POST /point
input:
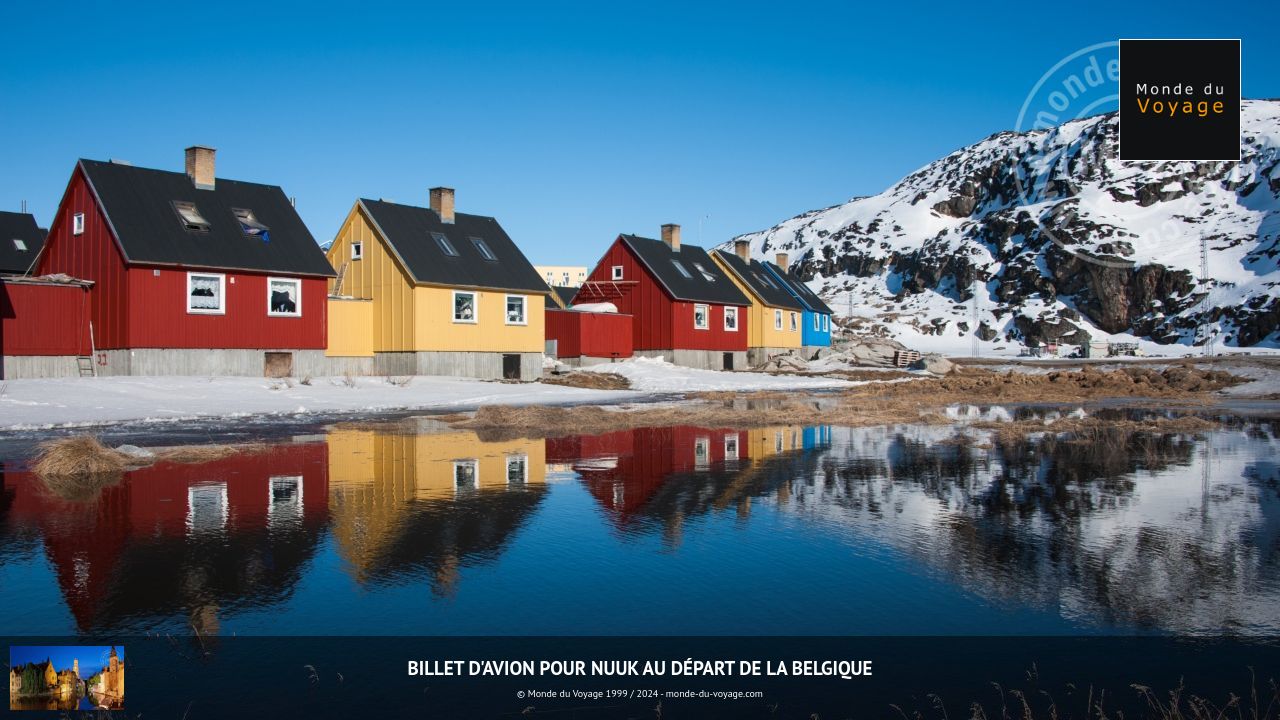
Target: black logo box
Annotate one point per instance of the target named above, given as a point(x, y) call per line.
point(1189, 65)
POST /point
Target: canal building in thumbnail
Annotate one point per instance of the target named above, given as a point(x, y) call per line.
point(191, 274)
point(449, 293)
point(684, 308)
point(773, 317)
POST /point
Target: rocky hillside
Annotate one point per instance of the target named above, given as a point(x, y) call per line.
point(1045, 236)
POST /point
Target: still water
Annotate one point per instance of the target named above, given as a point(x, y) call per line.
point(413, 528)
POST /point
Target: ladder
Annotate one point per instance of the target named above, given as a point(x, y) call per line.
point(86, 366)
point(337, 282)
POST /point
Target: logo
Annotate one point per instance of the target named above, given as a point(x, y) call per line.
point(1180, 100)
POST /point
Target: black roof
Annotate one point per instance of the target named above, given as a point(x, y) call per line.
point(408, 229)
point(16, 227)
point(139, 204)
point(801, 289)
point(657, 256)
point(764, 286)
point(565, 293)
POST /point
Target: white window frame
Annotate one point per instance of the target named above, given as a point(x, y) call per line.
point(19, 244)
point(734, 312)
point(224, 508)
point(795, 321)
point(817, 322)
point(777, 319)
point(297, 302)
point(357, 250)
point(475, 307)
point(702, 452)
point(706, 317)
point(524, 310)
point(222, 294)
point(731, 446)
point(474, 464)
point(617, 272)
point(524, 461)
point(274, 509)
point(826, 323)
point(77, 224)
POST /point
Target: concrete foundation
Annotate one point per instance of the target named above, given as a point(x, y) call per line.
point(247, 363)
point(757, 356)
point(483, 365)
point(16, 367)
point(811, 351)
point(586, 361)
point(701, 359)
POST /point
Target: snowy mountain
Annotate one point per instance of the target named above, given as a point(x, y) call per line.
point(1060, 242)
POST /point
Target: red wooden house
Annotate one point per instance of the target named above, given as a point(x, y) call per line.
point(191, 274)
point(684, 308)
point(586, 338)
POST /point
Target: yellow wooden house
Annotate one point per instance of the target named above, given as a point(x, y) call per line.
point(774, 316)
point(449, 293)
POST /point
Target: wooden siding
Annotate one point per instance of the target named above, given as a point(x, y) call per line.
point(435, 329)
point(377, 276)
point(350, 328)
point(93, 255)
point(44, 319)
point(158, 317)
point(605, 335)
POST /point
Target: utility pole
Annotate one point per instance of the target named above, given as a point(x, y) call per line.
point(1206, 307)
point(975, 350)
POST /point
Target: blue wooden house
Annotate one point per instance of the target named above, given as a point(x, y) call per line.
point(816, 321)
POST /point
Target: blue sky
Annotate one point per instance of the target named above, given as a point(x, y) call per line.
point(569, 122)
point(92, 657)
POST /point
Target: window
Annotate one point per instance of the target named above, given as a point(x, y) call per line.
point(466, 475)
point(190, 217)
point(817, 322)
point(702, 452)
point(777, 441)
point(484, 250)
point(550, 279)
point(795, 322)
point(446, 247)
point(206, 293)
point(731, 319)
point(284, 500)
point(77, 224)
point(705, 275)
point(566, 279)
point(517, 470)
point(764, 280)
point(700, 317)
point(777, 319)
point(250, 225)
point(464, 307)
point(206, 508)
point(284, 297)
point(357, 251)
point(617, 272)
point(826, 322)
point(515, 310)
point(681, 268)
point(731, 447)
point(19, 244)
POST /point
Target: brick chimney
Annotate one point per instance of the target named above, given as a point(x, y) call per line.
point(671, 236)
point(781, 261)
point(742, 249)
point(200, 166)
point(442, 203)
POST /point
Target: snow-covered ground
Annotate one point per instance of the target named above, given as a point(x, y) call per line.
point(660, 376)
point(69, 402)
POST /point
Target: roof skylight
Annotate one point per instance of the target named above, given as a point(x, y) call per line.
point(191, 218)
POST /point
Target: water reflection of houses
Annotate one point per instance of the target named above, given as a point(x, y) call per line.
point(180, 540)
point(659, 477)
point(426, 501)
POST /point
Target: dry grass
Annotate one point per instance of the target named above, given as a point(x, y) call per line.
point(592, 380)
point(78, 466)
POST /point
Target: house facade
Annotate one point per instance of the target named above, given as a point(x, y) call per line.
point(684, 308)
point(191, 274)
point(450, 293)
point(817, 315)
point(774, 317)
